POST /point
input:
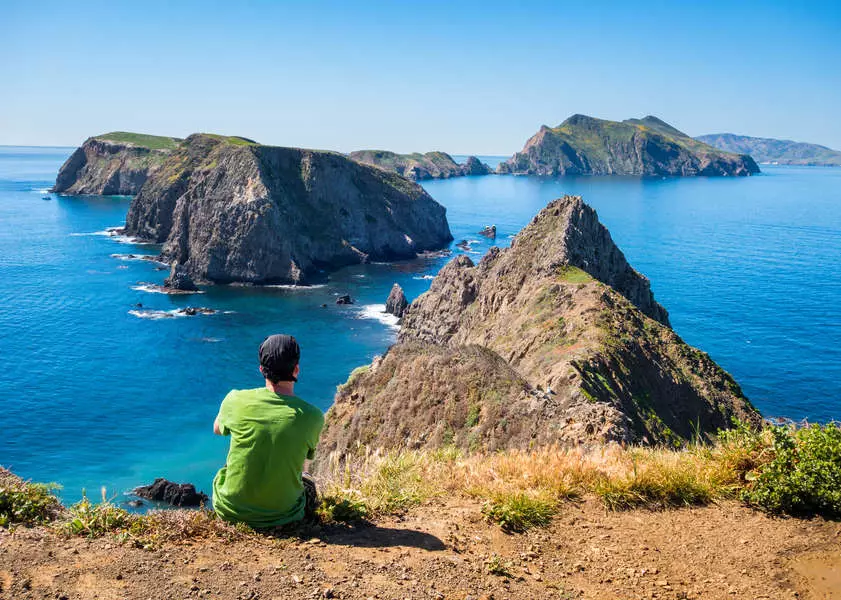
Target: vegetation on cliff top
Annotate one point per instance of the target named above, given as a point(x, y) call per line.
point(153, 142)
point(778, 469)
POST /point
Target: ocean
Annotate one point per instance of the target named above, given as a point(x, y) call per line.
point(98, 391)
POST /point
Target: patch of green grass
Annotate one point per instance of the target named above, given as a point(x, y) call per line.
point(571, 274)
point(232, 139)
point(334, 508)
point(153, 142)
point(357, 372)
point(472, 416)
point(396, 484)
point(519, 512)
point(25, 503)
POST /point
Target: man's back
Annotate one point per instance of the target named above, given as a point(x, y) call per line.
point(271, 436)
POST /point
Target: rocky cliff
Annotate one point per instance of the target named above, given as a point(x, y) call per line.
point(554, 340)
point(417, 166)
point(769, 150)
point(645, 147)
point(231, 210)
point(117, 163)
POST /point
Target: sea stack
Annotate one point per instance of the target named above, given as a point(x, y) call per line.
point(555, 340)
point(583, 145)
point(227, 209)
point(396, 304)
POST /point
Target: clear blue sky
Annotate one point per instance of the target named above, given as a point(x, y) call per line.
point(464, 77)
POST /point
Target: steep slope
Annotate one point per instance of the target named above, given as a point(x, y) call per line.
point(116, 163)
point(769, 150)
point(554, 340)
point(231, 210)
point(417, 166)
point(647, 147)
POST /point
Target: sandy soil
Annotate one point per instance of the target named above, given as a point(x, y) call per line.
point(443, 551)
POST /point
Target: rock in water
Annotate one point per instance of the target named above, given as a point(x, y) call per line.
point(230, 210)
point(179, 280)
point(417, 166)
point(489, 231)
point(117, 163)
point(648, 146)
point(344, 299)
point(559, 310)
point(396, 304)
point(177, 494)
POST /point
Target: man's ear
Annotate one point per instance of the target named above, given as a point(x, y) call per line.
point(262, 372)
point(296, 371)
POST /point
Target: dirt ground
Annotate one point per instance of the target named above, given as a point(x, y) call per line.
point(443, 551)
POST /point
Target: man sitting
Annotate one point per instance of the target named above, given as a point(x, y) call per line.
point(272, 433)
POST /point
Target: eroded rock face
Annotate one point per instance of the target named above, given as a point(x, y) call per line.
point(554, 340)
point(106, 167)
point(396, 304)
point(176, 494)
point(646, 147)
point(242, 212)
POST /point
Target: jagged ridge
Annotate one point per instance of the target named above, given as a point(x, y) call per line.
point(533, 346)
point(417, 166)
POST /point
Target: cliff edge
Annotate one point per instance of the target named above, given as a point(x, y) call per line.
point(116, 163)
point(553, 340)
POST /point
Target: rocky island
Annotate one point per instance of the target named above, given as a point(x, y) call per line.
point(417, 166)
point(769, 150)
point(228, 209)
point(554, 340)
point(583, 145)
point(113, 164)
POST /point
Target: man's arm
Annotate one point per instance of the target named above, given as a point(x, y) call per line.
point(216, 428)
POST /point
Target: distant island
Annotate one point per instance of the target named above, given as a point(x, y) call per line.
point(417, 166)
point(769, 150)
point(643, 147)
point(228, 209)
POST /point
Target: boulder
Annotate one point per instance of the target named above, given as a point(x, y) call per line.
point(176, 494)
point(396, 304)
point(344, 299)
point(489, 231)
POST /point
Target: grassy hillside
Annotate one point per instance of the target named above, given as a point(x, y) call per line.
point(769, 150)
point(153, 142)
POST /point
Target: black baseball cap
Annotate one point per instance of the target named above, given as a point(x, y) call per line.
point(278, 356)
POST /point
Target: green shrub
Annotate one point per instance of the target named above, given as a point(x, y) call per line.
point(519, 512)
point(25, 503)
point(94, 520)
point(803, 475)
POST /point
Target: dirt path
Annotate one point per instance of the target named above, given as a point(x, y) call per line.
point(448, 551)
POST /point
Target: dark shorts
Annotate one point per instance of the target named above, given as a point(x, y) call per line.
point(311, 495)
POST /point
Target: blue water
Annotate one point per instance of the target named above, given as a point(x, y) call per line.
point(95, 396)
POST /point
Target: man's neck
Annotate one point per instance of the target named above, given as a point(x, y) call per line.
point(283, 388)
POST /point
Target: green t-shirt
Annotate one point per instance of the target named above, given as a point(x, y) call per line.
point(271, 436)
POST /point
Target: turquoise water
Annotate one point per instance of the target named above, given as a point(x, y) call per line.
point(94, 395)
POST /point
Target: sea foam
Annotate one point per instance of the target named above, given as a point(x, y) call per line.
point(377, 312)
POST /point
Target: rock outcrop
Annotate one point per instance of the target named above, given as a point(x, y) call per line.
point(770, 150)
point(553, 340)
point(644, 147)
point(116, 163)
point(417, 166)
point(231, 210)
point(396, 304)
point(180, 280)
point(176, 494)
